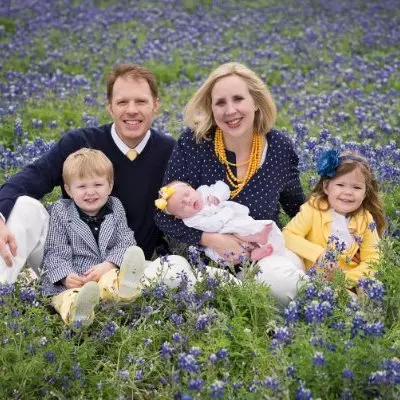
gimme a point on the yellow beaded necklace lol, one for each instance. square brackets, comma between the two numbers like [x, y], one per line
[254, 161]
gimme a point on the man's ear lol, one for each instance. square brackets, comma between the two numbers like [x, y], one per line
[109, 109]
[156, 105]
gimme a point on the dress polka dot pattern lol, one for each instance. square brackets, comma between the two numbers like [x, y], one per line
[276, 184]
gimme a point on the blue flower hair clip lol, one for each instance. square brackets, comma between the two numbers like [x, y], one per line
[327, 163]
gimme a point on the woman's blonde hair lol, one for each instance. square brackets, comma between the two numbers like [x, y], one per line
[87, 162]
[198, 112]
[372, 202]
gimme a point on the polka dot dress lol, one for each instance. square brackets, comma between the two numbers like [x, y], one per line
[276, 184]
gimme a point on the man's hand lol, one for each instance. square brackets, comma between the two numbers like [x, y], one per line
[229, 247]
[8, 244]
[73, 281]
[97, 271]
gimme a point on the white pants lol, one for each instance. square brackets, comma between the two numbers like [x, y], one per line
[29, 222]
[284, 275]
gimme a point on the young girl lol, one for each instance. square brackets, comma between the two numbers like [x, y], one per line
[345, 204]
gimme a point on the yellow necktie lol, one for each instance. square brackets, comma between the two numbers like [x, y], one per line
[131, 154]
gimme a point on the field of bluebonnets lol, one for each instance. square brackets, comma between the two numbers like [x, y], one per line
[333, 68]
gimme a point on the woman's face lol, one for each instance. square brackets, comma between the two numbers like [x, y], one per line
[233, 107]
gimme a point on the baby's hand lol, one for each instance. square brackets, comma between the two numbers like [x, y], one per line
[73, 281]
[212, 200]
[97, 271]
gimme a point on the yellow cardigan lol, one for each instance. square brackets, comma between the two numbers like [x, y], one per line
[307, 236]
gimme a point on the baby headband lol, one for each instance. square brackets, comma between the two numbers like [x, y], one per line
[329, 160]
[165, 193]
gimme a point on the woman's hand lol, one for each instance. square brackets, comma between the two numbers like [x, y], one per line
[73, 281]
[97, 271]
[229, 247]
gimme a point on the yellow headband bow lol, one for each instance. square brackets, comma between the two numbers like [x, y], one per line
[165, 193]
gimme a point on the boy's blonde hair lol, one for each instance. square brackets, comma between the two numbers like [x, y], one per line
[87, 162]
[198, 113]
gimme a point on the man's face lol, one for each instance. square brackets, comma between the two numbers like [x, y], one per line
[132, 108]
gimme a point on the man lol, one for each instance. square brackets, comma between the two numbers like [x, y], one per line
[139, 155]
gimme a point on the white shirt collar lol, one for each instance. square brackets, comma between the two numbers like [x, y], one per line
[123, 147]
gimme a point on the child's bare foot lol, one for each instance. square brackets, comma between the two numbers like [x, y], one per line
[259, 237]
[260, 252]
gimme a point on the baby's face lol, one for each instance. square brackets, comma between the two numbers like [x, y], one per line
[185, 202]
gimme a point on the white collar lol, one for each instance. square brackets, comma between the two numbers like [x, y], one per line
[123, 147]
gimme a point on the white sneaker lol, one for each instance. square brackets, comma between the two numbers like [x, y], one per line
[83, 309]
[131, 272]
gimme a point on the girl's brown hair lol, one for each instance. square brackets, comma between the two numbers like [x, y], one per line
[372, 202]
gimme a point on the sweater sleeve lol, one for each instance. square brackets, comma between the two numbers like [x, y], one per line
[295, 233]
[292, 195]
[179, 168]
[38, 178]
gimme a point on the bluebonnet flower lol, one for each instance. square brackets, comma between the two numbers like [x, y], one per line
[178, 337]
[292, 312]
[359, 322]
[302, 393]
[196, 384]
[374, 329]
[217, 389]
[373, 289]
[186, 397]
[346, 394]
[123, 374]
[139, 375]
[77, 372]
[188, 363]
[213, 358]
[167, 350]
[327, 163]
[43, 341]
[282, 335]
[27, 295]
[31, 348]
[316, 312]
[372, 226]
[147, 341]
[271, 382]
[222, 354]
[319, 359]
[195, 351]
[176, 319]
[311, 291]
[348, 374]
[108, 331]
[203, 321]
[358, 239]
[291, 370]
[50, 356]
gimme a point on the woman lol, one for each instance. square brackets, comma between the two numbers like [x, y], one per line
[230, 138]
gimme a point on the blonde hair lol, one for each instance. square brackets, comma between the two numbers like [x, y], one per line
[198, 112]
[87, 162]
[372, 202]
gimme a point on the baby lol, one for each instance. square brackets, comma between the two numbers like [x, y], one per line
[208, 209]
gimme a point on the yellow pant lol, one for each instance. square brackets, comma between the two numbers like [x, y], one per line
[65, 302]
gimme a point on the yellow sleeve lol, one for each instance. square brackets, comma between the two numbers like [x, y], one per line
[296, 232]
[369, 253]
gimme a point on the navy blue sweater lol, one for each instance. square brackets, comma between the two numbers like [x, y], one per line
[136, 183]
[275, 184]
